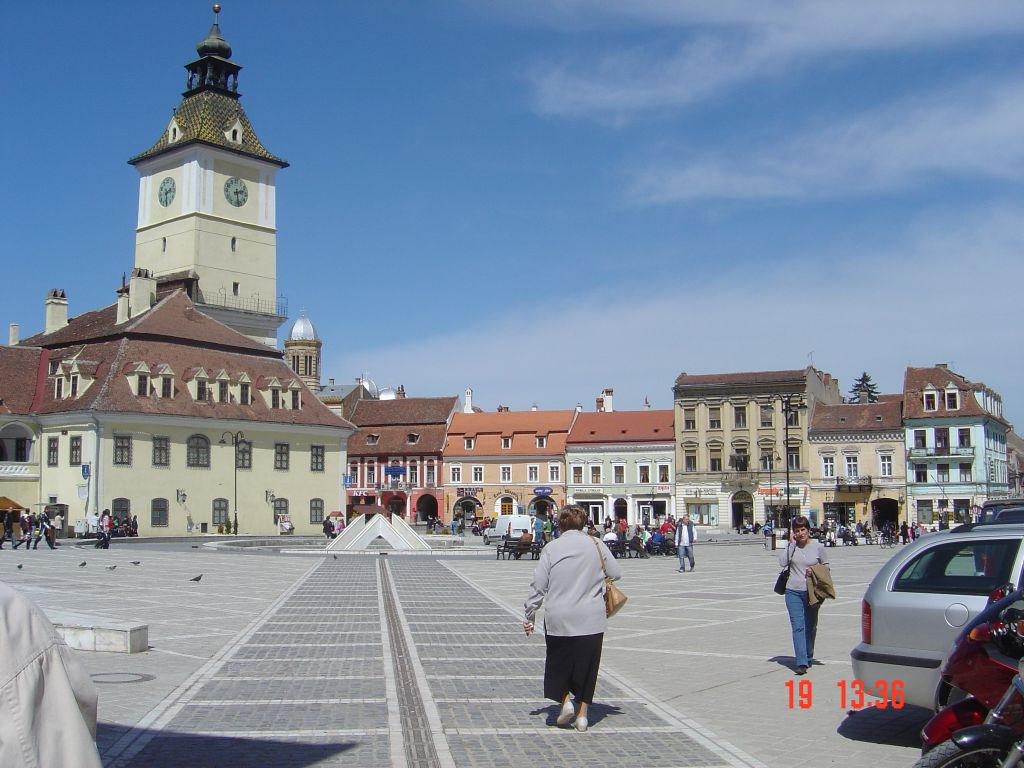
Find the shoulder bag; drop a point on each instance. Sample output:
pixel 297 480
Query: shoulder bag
pixel 614 598
pixel 780 583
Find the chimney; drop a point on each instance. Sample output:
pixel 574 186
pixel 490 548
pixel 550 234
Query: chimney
pixel 607 397
pixel 942 365
pixel 599 405
pixel 503 409
pixel 330 382
pixel 533 407
pixel 141 292
pixel 56 310
pixel 468 406
pixel 579 407
pixel 862 396
pixel 12 335
pixel 400 392
pixel 122 307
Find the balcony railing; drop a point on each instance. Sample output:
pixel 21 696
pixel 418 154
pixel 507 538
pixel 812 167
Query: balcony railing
pixel 855 483
pixel 925 453
pixel 254 305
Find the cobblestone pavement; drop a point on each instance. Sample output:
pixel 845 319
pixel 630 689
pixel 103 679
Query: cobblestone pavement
pixel 421 661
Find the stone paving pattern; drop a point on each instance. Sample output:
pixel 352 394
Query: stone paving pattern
pixel 275 660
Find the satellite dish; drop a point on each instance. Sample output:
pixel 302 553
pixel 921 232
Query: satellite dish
pixel 387 394
pixel 370 384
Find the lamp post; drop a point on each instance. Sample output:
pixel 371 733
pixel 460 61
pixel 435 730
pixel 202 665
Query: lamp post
pixel 235 438
pixel 791 404
pixel 771 458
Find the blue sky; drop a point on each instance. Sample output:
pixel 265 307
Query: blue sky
pixel 541 199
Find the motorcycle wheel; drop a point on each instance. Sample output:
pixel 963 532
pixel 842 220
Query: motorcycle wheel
pixel 949 755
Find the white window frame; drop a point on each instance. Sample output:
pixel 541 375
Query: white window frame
pixel 828 467
pixel 506 443
pixel 542 442
pixel 885 465
pixel 618 474
pixel 554 473
pixel 455 473
pixel 852 462
pixel 478 473
pixel 469 443
pixel 639 468
pixel 533 473
pixel 572 474
pixel 505 473
pixel 935 401
pixel 600 474
pixel 956 399
pixel 668 472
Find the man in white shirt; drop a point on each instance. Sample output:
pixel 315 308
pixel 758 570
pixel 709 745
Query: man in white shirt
pixel 686 535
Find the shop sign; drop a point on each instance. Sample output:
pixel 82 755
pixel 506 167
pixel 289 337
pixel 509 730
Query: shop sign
pixel 662 488
pixel 542 490
pixel 394 471
pixel 468 491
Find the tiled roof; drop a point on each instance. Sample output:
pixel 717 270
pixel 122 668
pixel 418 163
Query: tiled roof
pixel 173 317
pixel 752 377
pixel 394 440
pixel 19 369
pixel 885 415
pixel 524 427
pixel 623 427
pixel 917 380
pixel 205 118
pixel 408 410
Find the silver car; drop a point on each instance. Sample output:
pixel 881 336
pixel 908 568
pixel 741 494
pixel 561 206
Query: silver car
pixel 921 599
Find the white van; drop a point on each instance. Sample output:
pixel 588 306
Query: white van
pixel 500 530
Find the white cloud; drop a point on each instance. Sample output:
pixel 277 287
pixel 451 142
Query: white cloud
pixel 973 129
pixel 720 44
pixel 941 293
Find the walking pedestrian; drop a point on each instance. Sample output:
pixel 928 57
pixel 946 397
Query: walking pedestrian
pixel 25 524
pixel 904 534
pixel 8 534
pixel 569 581
pixel 686 537
pixel 800 554
pixel 328 528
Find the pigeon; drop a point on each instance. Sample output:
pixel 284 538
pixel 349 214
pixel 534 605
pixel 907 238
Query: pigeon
pixel 111 567
pixel 82 564
pixel 196 578
pixel 20 566
pixel 136 562
pixel 335 557
pixel 195 546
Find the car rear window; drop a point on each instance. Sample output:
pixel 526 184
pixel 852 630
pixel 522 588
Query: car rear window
pixel 960 567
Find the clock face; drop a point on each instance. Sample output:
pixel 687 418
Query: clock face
pixel 236 192
pixel 166 192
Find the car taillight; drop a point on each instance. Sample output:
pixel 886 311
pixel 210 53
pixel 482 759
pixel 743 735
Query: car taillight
pixel 865 622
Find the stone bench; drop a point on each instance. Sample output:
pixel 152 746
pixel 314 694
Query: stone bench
pixel 91 633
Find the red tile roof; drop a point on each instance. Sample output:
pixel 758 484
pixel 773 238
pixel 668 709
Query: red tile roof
pixel 394 440
pixel 408 410
pixel 938 378
pixel 524 427
pixel 885 415
pixel 19 368
pixel 752 377
pixel 623 427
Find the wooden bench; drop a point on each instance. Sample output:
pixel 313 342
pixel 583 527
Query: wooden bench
pixel 514 548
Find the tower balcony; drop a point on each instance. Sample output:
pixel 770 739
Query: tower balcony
pixel 256 306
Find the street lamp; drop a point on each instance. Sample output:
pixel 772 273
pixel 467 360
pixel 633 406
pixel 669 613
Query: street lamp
pixel 791 405
pixel 770 459
pixel 235 438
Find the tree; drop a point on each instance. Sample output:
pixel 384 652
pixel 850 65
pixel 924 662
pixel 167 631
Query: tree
pixel 866 385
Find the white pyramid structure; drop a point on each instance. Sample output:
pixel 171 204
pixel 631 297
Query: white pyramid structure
pixel 359 534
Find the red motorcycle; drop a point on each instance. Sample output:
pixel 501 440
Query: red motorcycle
pixel 980 668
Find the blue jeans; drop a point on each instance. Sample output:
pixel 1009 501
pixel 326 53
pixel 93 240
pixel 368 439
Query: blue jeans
pixel 685 553
pixel 803 618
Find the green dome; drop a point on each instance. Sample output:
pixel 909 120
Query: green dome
pixel 214 44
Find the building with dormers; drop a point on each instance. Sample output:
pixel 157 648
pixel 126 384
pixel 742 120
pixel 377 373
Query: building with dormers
pixel 735 440
pixel 955 443
pixel 857 470
pixel 207 201
pixel 150 408
pixel 395 456
pixel 506 462
pixel 621 465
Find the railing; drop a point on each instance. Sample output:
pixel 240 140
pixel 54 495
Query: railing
pixel 855 482
pixel 257 306
pixel 18 469
pixel 921 453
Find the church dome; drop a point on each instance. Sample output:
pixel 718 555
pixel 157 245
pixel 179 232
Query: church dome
pixel 214 44
pixel 303 330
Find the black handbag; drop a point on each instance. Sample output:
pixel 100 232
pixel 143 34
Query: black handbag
pixel 780 583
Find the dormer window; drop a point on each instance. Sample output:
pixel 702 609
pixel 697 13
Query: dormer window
pixel 952 400
pixel 54 364
pixel 243 394
pixel 295 399
pixel 372 439
pixel 58 393
pixel 470 443
pixel 930 402
pixel 74 386
pixel 275 398
pixel 201 394
pixel 412 438
pixel 222 391
pixel 506 442
pixel 142 387
pixel 542 442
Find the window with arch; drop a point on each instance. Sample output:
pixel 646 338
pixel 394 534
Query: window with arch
pixel 121 509
pixel 220 511
pixel 280 508
pixel 316 510
pixel 199 451
pixel 158 513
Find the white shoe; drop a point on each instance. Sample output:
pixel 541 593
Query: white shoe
pixel 567 714
pixel 581 724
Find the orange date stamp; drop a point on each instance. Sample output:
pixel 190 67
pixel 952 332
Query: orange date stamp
pixel 853 694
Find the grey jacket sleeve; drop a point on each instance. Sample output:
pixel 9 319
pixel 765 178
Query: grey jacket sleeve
pixel 539 586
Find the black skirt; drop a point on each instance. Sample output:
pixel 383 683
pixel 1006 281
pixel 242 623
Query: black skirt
pixel 571 666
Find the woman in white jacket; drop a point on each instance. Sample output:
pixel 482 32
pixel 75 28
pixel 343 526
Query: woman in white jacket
pixel 569 580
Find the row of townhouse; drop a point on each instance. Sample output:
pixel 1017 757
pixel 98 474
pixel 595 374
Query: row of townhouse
pixel 736 449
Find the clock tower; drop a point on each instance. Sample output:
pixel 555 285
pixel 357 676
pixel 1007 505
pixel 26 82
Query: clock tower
pixel 207 200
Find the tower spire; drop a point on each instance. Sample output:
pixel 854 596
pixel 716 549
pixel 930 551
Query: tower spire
pixel 213 70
